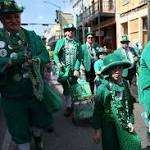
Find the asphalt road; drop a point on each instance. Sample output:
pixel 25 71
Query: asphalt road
pixel 67 136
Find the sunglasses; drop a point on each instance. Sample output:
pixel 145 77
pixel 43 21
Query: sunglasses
pixel 90 37
pixel 124 42
pixel 69 30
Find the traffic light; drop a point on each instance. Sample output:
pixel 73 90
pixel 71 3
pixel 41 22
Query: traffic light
pixel 57 20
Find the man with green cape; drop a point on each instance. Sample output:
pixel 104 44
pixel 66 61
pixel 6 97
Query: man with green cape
pixel 23 88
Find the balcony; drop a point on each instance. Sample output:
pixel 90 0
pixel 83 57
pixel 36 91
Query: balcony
pixel 104 8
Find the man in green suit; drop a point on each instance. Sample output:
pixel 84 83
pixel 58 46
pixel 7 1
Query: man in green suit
pixel 144 84
pixel 89 50
pixel 22 104
pixel 129 53
pixel 67 55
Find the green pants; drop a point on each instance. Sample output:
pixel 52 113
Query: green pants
pixel 23 114
pixel 109 136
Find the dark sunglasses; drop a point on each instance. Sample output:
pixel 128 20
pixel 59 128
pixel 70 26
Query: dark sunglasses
pixel 90 37
pixel 124 42
pixel 69 30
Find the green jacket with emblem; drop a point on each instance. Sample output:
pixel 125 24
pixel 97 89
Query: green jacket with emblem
pixel 144 76
pixel 86 56
pixel 13 85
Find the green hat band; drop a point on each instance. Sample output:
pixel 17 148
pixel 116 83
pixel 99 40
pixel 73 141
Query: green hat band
pixel 69 26
pixel 124 39
pixel 114 60
pixel 10 6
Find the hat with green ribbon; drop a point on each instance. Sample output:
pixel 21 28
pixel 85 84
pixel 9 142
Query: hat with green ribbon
pixel 113 60
pixel 124 39
pixel 90 34
pixel 69 27
pixel 9 7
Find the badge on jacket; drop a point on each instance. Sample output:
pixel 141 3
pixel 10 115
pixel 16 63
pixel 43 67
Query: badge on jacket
pixel 3 53
pixel 2 44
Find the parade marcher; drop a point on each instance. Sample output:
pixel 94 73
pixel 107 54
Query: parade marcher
pixel 101 53
pixel 67 56
pixel 144 84
pixel 89 50
pixel 49 65
pixel 113 116
pixel 129 53
pixel 23 88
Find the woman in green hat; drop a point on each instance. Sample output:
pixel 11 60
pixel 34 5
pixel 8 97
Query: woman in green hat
pixel 101 53
pixel 67 56
pixel 113 117
pixel 27 99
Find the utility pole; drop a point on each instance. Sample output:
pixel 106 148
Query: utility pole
pixel 148 20
pixel 59 14
pixel 83 27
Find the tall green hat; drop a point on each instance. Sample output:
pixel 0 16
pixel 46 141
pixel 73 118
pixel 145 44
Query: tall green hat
pixel 113 60
pixel 124 38
pixel 90 34
pixel 69 27
pixel 9 6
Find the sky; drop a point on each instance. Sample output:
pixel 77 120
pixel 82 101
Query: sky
pixel 38 11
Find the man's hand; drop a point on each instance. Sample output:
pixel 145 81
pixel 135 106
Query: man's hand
pixel 76 73
pixel 59 65
pixel 131 127
pixel 136 58
pixel 97 136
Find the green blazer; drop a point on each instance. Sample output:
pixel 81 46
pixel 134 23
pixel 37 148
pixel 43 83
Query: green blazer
pixel 35 44
pixel 86 56
pixel 144 76
pixel 17 89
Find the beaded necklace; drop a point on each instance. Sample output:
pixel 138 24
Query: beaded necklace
pixel 119 105
pixel 11 41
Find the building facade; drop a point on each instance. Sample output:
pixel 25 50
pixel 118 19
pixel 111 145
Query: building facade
pixel 97 16
pixel 56 31
pixel 131 19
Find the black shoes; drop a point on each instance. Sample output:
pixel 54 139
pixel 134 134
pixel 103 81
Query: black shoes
pixel 38 143
pixel 68 112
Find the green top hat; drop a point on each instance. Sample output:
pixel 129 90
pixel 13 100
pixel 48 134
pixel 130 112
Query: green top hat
pixel 124 38
pixel 90 33
pixel 68 27
pixel 9 6
pixel 113 60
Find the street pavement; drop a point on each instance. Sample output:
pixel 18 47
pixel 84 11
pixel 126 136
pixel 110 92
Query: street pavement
pixel 68 136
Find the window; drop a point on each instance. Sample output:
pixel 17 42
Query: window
pixel 145 30
pixel 124 28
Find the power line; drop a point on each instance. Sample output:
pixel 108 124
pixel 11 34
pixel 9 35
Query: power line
pixel 43 24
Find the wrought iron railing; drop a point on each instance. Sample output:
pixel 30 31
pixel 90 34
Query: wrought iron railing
pixel 104 6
